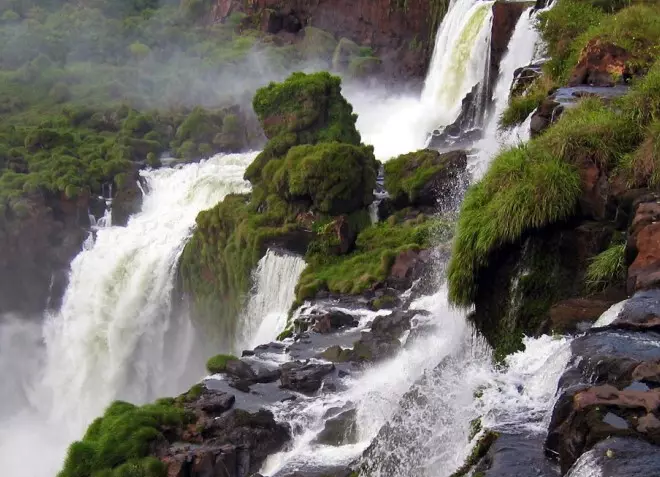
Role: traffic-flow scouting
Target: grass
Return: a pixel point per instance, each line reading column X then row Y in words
column 370, row 263
column 606, row 268
column 520, row 107
column 118, row 443
column 642, row 104
column 218, row 363
column 525, row 188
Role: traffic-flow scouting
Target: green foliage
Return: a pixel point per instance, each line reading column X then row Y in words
column 642, row 104
column 606, row 268
column 218, row 363
column 117, row 444
column 309, row 105
column 478, row 452
column 642, row 167
column 407, row 175
column 526, row 188
column 520, row 107
column 370, row 263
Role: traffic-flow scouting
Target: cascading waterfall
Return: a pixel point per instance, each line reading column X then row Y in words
column 275, row 280
column 400, row 124
column 522, row 50
column 115, row 336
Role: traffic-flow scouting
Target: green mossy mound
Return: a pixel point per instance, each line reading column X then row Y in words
column 414, row 177
column 119, row 442
column 370, row 263
column 218, row 363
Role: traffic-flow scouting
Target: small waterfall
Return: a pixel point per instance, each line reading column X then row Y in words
column 275, row 280
column 522, row 49
column 115, row 336
column 459, row 59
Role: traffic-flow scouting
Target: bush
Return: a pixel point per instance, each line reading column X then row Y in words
column 525, row 188
column 606, row 268
column 218, row 363
column 117, row 444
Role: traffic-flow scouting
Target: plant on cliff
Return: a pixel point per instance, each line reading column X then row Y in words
column 606, row 268
column 118, row 443
column 525, row 188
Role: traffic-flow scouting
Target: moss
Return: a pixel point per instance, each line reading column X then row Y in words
column 317, row 44
column 309, row 105
column 218, row 363
column 371, row 261
column 525, row 188
column 478, row 452
column 606, row 268
column 287, row 333
column 118, row 443
column 475, row 428
column 407, row 175
column 384, row 302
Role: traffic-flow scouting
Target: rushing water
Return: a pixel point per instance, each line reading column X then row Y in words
column 275, row 280
column 115, row 336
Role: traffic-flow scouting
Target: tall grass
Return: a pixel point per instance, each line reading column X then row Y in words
column 606, row 268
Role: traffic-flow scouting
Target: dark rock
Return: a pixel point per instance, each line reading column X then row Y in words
column 327, row 322
column 519, row 455
column 304, row 377
column 641, row 312
column 619, row 456
column 523, row 78
column 408, row 266
column 546, row 114
column 339, row 430
column 466, row 129
column 127, row 201
column 601, row 64
column 213, row 402
column 239, row 369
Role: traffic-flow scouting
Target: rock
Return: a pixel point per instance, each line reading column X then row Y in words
column 466, row 129
column 644, row 242
column 601, row 64
column 523, row 78
column 329, row 322
column 127, row 201
column 239, row 369
column 408, row 266
column 304, row 377
column 339, row 430
column 345, row 51
column 317, row 44
column 547, row 113
column 619, row 456
column 641, row 312
column 213, row 402
column 425, row 177
column 519, row 455
column 569, row 315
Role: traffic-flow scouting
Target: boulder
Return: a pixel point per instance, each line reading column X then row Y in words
column 345, row 51
column 408, row 266
column 619, row 456
column 547, row 113
column 601, row 63
column 326, row 322
column 519, row 455
column 304, row 377
column 576, row 314
column 317, row 44
column 523, row 78
column 339, row 430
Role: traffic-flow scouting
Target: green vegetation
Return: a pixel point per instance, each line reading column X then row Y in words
column 370, row 263
column 218, row 363
column 408, row 175
column 478, row 452
column 525, row 188
column 117, row 444
column 520, row 107
column 606, row 268
column 572, row 24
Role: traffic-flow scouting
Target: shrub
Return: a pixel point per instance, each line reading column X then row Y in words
column 218, row 363
column 524, row 189
column 606, row 268
column 119, row 441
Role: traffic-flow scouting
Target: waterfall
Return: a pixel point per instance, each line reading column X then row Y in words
column 115, row 336
column 522, row 50
column 275, row 280
column 400, row 124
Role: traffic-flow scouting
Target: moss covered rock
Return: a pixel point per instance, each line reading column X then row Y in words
column 317, row 44
column 423, row 177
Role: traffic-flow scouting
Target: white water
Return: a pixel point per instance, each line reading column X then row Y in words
column 115, row 336
column 275, row 280
column 400, row 124
column 522, row 50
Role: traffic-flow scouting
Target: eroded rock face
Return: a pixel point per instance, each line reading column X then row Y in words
column 304, row 377
column 601, row 64
column 224, row 441
column 644, row 242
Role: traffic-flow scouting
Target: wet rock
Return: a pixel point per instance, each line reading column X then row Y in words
column 408, row 266
column 239, row 369
column 213, row 402
column 547, row 113
column 519, row 455
column 326, row 322
column 640, row 312
column 339, row 430
column 311, row 470
column 619, row 456
column 466, row 129
column 573, row 314
column 304, row 377
column 601, row 64
column 644, row 245
column 523, row 78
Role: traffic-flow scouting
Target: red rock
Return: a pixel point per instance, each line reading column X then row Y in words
column 565, row 315
column 644, row 273
column 601, row 64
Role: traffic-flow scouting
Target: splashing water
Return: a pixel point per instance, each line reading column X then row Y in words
column 275, row 280
column 115, row 336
